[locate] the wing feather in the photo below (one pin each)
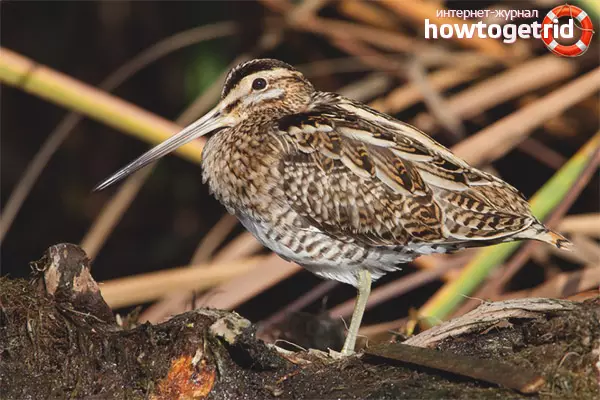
(356, 173)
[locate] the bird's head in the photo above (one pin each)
(262, 88)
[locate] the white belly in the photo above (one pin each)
(325, 256)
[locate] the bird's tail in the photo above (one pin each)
(556, 239)
(549, 236)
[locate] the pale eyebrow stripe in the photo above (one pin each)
(237, 102)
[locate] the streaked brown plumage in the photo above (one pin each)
(345, 191)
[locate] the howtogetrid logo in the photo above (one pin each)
(548, 31)
(587, 30)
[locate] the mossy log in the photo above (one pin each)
(59, 339)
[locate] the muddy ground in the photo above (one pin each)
(58, 339)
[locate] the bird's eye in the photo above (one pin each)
(259, 84)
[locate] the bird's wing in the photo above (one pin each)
(357, 174)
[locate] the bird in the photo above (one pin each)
(345, 191)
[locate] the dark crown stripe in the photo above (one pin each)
(238, 73)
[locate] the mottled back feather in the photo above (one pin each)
(356, 172)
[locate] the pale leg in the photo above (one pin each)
(364, 289)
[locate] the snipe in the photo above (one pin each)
(343, 190)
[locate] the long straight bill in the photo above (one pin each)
(210, 122)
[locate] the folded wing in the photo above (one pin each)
(357, 174)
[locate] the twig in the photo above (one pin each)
(418, 11)
(377, 331)
(410, 94)
(383, 39)
(166, 46)
(435, 102)
(304, 10)
(369, 56)
(59, 88)
(235, 291)
(18, 65)
(277, 5)
(523, 78)
(486, 315)
(587, 224)
(496, 140)
(179, 301)
(339, 29)
(429, 57)
(586, 247)
(214, 238)
(574, 257)
(562, 285)
(147, 287)
(367, 88)
(112, 211)
(541, 152)
(242, 246)
(326, 67)
(367, 12)
(432, 261)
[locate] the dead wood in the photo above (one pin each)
(59, 339)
